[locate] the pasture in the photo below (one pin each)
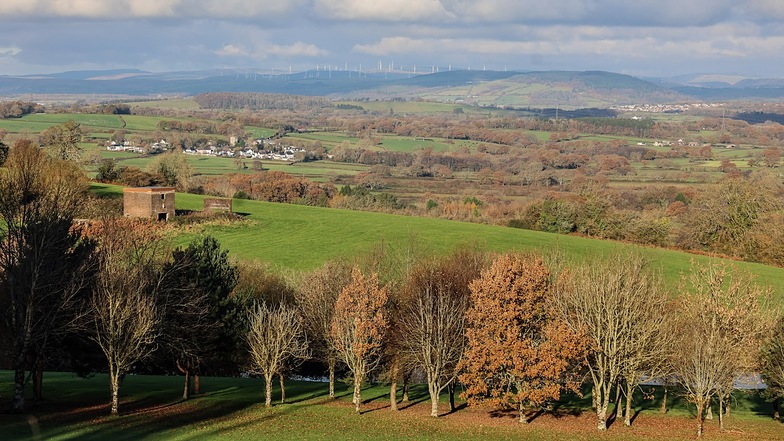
(299, 238)
(232, 408)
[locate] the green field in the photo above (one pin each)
(91, 123)
(231, 408)
(295, 237)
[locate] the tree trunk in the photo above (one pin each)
(187, 388)
(617, 408)
(393, 385)
(282, 388)
(331, 363)
(776, 415)
(196, 383)
(602, 403)
(268, 390)
(19, 384)
(38, 381)
(114, 378)
(357, 393)
(664, 401)
(451, 389)
(187, 373)
(405, 388)
(393, 394)
(601, 416)
(432, 388)
(700, 409)
(721, 414)
(627, 416)
(594, 398)
(523, 418)
(709, 410)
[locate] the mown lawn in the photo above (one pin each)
(231, 408)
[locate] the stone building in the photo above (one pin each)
(217, 204)
(149, 202)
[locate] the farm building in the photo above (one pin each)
(149, 202)
(217, 204)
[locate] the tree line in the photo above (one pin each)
(258, 101)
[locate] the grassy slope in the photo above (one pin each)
(230, 408)
(301, 238)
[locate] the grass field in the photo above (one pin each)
(231, 408)
(94, 125)
(295, 237)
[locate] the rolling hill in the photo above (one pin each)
(297, 237)
(563, 89)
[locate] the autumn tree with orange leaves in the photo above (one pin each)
(359, 326)
(519, 353)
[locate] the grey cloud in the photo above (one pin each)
(152, 9)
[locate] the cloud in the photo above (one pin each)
(667, 13)
(232, 50)
(298, 49)
(381, 10)
(129, 9)
(7, 52)
(719, 41)
(262, 51)
(566, 34)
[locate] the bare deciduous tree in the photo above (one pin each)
(722, 321)
(650, 343)
(432, 322)
(771, 365)
(64, 139)
(125, 314)
(276, 337)
(316, 299)
(608, 300)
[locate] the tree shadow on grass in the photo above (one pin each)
(558, 410)
(314, 395)
(374, 398)
(634, 417)
(504, 413)
(373, 409)
(458, 408)
(412, 402)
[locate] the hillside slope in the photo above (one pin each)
(300, 238)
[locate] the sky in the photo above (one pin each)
(655, 38)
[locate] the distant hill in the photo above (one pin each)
(547, 89)
(710, 87)
(562, 89)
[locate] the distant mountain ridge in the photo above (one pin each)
(559, 89)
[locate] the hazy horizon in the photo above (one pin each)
(647, 38)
